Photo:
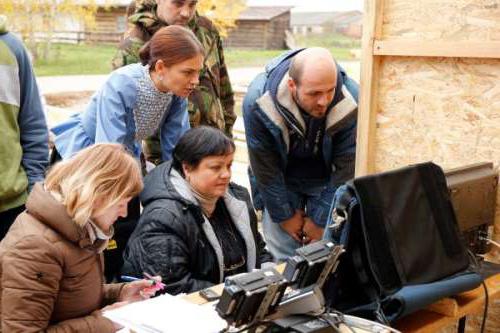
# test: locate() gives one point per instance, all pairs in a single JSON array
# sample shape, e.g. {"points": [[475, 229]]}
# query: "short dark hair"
{"points": [[296, 70], [198, 143]]}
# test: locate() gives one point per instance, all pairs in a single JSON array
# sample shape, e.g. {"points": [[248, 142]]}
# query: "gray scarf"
{"points": [[207, 203], [150, 108]]}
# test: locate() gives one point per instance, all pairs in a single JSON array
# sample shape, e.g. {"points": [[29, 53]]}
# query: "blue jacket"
{"points": [[24, 140], [109, 117], [270, 115]]}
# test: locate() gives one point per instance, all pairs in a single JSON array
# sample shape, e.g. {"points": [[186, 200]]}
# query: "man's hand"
{"points": [[293, 226], [311, 231]]}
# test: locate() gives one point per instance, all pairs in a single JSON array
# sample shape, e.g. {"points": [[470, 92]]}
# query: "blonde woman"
{"points": [[51, 270]]}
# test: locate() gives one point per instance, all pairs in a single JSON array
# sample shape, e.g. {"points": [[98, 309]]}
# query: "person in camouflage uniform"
{"points": [[212, 103]]}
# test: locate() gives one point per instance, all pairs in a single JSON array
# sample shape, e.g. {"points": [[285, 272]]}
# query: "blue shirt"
{"points": [[109, 117]]}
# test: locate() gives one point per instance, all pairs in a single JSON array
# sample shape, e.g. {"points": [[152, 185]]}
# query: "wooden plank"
{"points": [[446, 306], [195, 297], [367, 109], [471, 302], [439, 48]]}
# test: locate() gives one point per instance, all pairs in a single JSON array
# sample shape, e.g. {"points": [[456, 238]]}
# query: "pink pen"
{"points": [[157, 285]]}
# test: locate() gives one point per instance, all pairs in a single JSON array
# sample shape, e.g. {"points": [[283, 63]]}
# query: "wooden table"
{"points": [[468, 303]]}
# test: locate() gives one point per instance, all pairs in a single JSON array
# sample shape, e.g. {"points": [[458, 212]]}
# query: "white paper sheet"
{"points": [[167, 314]]}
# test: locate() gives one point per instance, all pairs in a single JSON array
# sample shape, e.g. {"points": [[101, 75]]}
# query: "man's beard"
{"points": [[296, 99]]}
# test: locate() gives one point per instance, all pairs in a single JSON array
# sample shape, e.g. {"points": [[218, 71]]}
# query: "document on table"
{"points": [[166, 314]]}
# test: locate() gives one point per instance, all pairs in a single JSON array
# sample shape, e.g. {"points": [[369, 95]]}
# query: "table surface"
{"points": [[470, 302]]}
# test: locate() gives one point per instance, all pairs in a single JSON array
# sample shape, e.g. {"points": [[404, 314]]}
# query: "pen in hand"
{"points": [[155, 284], [126, 278]]}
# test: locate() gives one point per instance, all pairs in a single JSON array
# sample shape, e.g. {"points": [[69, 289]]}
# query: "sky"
{"points": [[312, 5]]}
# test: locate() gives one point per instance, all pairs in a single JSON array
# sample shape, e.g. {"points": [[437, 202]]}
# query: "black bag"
{"points": [[399, 230]]}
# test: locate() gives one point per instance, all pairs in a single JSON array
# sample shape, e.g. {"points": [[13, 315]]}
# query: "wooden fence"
{"points": [[76, 37]]}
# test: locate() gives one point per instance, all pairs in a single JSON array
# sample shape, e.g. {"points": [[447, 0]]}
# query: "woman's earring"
{"points": [[160, 78]]}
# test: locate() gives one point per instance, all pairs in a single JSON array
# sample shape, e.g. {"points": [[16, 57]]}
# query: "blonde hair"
{"points": [[95, 179]]}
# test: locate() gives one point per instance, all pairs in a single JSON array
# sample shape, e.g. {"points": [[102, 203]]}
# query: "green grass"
{"points": [[330, 40], [71, 59], [254, 58], [249, 58], [338, 44]]}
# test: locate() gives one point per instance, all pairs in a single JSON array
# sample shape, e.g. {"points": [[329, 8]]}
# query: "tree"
{"points": [[222, 12], [37, 20]]}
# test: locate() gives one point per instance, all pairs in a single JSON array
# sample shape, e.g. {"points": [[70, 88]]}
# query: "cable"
{"points": [[486, 300], [335, 324], [491, 241], [380, 315], [486, 296], [474, 259]]}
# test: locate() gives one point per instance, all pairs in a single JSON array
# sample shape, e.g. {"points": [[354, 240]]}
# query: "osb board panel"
{"points": [[446, 110], [452, 20]]}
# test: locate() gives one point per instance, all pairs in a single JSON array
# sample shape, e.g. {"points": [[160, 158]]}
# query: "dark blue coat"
{"points": [[268, 127]]}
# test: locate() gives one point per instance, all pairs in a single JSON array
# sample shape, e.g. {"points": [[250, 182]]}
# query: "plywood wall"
{"points": [[441, 109], [442, 19], [419, 107]]}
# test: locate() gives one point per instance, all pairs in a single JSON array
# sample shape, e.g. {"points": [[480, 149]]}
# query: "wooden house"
{"points": [[260, 28]]}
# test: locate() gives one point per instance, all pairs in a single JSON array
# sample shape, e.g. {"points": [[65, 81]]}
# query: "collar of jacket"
{"points": [[284, 113], [238, 211], [44, 207]]}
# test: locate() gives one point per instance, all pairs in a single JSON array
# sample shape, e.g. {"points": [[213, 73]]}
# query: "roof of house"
{"points": [[311, 18], [262, 13], [320, 18], [348, 17]]}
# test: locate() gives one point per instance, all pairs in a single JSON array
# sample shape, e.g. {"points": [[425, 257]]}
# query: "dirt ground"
{"points": [[68, 99]]}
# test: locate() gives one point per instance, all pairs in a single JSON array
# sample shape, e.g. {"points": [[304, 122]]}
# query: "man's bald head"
{"points": [[313, 79], [312, 62]]}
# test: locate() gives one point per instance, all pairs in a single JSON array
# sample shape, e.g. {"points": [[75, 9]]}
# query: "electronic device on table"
{"points": [[292, 302], [473, 191], [249, 297]]}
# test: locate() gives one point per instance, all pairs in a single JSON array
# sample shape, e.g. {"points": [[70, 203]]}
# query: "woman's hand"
{"points": [[135, 291], [139, 290]]}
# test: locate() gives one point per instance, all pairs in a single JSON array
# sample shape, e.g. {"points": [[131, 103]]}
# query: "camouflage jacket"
{"points": [[212, 103]]}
